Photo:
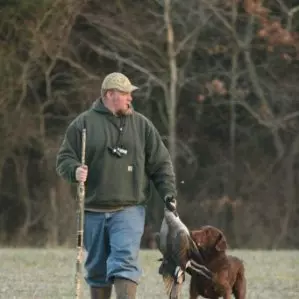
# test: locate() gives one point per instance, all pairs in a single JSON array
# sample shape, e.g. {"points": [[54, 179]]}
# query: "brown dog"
{"points": [[229, 277]]}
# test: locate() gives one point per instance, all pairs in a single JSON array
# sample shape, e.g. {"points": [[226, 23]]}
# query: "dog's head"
{"points": [[209, 237]]}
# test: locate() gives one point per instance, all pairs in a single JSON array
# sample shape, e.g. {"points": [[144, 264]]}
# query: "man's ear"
{"points": [[221, 245]]}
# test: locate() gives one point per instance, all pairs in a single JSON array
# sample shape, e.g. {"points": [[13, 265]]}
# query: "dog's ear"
{"points": [[221, 244]]}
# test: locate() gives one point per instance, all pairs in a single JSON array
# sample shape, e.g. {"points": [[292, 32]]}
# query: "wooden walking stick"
{"points": [[80, 223]]}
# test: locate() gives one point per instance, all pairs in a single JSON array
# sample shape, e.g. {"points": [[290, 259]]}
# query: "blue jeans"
{"points": [[112, 242]]}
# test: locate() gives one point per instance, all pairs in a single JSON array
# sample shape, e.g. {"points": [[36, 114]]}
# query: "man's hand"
{"points": [[81, 173], [170, 203]]}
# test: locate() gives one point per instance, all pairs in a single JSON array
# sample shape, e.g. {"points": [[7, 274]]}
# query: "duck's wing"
{"points": [[180, 248], [162, 237]]}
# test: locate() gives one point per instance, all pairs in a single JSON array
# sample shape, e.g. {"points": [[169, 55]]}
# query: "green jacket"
{"points": [[113, 182]]}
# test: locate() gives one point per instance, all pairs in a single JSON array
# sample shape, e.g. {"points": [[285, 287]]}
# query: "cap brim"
{"points": [[133, 88]]}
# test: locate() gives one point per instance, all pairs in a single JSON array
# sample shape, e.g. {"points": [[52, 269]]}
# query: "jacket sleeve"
{"points": [[68, 157], [159, 166]]}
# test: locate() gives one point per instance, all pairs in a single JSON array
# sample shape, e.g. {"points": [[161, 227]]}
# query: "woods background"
{"points": [[219, 79]]}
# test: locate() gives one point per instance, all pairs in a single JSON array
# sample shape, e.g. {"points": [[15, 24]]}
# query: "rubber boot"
{"points": [[125, 289], [100, 293]]}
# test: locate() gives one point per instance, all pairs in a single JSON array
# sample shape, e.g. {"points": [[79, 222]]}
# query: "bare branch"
{"points": [[115, 56], [291, 13]]}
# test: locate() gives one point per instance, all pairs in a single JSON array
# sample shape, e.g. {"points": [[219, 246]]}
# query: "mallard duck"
{"points": [[176, 245]]}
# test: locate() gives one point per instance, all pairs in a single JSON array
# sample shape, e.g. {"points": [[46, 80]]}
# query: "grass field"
{"points": [[49, 273]]}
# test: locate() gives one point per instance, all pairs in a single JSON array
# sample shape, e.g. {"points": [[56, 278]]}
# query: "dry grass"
{"points": [[49, 273]]}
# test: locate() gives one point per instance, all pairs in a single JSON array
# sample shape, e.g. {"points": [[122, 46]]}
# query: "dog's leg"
{"points": [[223, 285], [239, 288], [193, 289]]}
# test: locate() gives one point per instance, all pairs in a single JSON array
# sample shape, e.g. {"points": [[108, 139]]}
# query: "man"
{"points": [[123, 152]]}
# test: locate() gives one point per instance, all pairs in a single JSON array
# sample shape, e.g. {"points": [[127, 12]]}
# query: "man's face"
{"points": [[121, 102]]}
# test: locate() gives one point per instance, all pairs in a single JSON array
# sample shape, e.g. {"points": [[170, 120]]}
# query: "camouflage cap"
{"points": [[118, 81]]}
